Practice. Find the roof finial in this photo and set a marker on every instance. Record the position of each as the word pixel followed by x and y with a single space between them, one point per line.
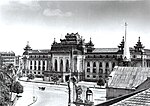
pixel 139 38
pixel 123 39
pixel 27 42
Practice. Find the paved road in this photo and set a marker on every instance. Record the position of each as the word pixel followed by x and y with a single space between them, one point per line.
pixel 53 95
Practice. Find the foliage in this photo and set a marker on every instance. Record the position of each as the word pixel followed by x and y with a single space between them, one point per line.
pixel 17 87
pixel 30 76
pixel 101 82
pixel 7 76
pixel 55 78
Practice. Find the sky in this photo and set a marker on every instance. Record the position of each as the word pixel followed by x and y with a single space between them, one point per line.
pixel 39 22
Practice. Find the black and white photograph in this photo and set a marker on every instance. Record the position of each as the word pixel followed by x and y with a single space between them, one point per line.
pixel 74 53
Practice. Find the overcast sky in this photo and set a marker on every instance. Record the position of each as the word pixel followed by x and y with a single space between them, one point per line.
pixel 40 21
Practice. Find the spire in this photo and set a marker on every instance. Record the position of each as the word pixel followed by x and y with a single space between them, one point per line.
pixel 138 47
pixel 121 46
pixel 54 42
pixel 27 47
pixel 126 53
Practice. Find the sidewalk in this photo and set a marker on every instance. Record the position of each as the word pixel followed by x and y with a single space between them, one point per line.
pixel 40 80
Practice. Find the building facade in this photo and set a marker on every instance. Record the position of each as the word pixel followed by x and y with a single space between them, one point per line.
pixel 35 61
pixel 72 56
pixel 7 58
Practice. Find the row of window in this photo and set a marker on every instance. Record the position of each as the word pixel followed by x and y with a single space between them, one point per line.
pixel 100 70
pixel 61 65
pixel 100 56
pixel 94 76
pixel 38 56
pixel 100 64
pixel 39 68
pixel 39 65
pixel 37 62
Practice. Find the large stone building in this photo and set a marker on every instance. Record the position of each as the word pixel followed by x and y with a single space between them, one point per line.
pixel 73 56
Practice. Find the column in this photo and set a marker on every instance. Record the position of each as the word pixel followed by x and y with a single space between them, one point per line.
pixel 37 63
pixel 110 66
pixel 32 64
pixel 97 67
pixel 104 66
pixel 45 65
pixel 41 64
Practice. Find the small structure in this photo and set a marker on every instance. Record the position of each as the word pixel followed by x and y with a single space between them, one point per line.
pixel 126 80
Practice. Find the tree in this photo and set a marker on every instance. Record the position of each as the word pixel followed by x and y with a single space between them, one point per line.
pixel 17 87
pixel 55 78
pixel 30 76
pixel 101 82
pixel 7 79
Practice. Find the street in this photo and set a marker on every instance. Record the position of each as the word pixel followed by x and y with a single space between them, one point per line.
pixel 53 95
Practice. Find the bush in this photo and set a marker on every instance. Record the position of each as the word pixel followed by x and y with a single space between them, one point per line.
pixel 17 87
pixel 101 82
pixel 31 76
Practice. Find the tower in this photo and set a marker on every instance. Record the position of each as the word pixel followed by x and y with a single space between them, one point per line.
pixel 126 52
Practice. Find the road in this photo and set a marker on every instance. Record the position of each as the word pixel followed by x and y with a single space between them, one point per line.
pixel 53 95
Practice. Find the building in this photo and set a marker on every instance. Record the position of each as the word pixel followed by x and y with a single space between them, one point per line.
pixel 73 56
pixel 139 99
pixel 35 61
pixel 7 58
pixel 67 57
pixel 125 80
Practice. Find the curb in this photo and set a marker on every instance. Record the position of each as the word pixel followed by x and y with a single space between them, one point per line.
pixel 42 82
pixel 33 101
pixel 57 84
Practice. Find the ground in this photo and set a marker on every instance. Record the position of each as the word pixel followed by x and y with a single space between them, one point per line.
pixel 53 95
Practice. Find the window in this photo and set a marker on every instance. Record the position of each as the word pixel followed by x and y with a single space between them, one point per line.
pixel 100 64
pixel 94 70
pixel 61 65
pixel 39 68
pixel 94 76
pixel 30 62
pixel 107 65
pixel 34 65
pixel 43 63
pixel 88 69
pixel 39 63
pixel 88 75
pixel 88 64
pixel 94 64
pixel 67 65
pixel 113 65
pixel 55 65
pixel 30 67
pixel 100 71
pixel 39 73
